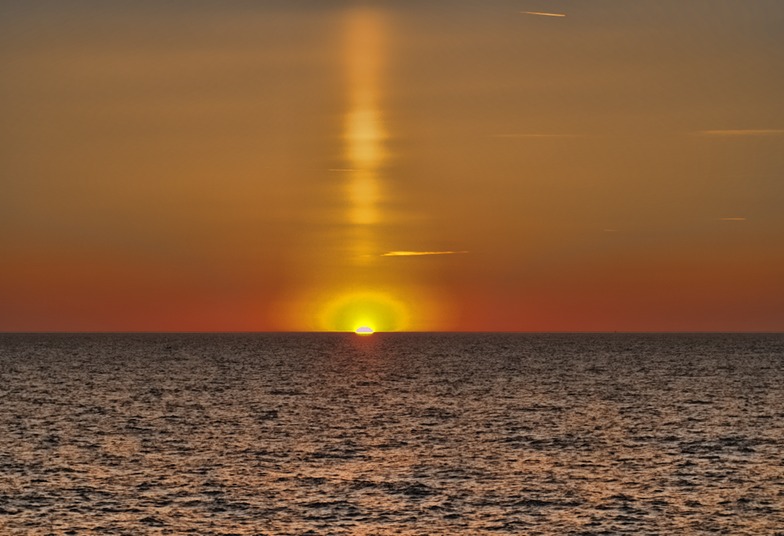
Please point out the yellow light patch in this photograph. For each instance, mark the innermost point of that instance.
(367, 311)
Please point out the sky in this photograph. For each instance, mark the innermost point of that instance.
(466, 165)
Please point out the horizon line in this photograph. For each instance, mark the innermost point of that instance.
(320, 332)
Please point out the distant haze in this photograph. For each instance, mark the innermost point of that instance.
(470, 165)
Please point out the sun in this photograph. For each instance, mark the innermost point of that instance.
(364, 330)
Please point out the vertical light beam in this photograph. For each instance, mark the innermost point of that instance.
(363, 130)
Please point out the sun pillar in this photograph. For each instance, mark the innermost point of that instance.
(364, 297)
(363, 132)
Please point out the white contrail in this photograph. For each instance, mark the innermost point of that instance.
(742, 132)
(543, 14)
(537, 135)
(419, 253)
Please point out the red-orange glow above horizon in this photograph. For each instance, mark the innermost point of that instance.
(329, 166)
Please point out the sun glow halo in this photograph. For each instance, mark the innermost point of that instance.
(364, 311)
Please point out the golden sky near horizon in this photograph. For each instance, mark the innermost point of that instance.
(320, 165)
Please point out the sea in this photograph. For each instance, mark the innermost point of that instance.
(391, 434)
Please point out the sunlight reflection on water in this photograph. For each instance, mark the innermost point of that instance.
(391, 434)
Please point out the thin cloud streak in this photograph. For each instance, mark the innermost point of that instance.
(543, 14)
(742, 132)
(524, 136)
(420, 253)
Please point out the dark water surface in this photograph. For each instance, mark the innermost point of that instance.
(392, 434)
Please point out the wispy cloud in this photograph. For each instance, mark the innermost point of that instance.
(736, 218)
(537, 135)
(742, 132)
(543, 14)
(419, 253)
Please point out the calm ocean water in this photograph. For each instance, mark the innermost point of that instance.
(392, 434)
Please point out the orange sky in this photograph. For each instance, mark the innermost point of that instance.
(303, 165)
